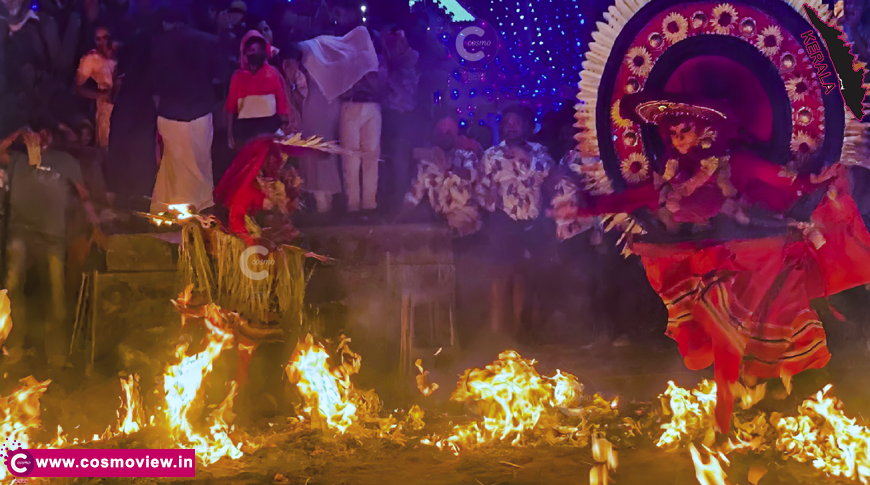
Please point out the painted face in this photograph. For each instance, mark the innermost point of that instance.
(684, 136)
(691, 134)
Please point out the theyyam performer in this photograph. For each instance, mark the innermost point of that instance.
(727, 163)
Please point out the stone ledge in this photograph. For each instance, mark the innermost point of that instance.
(140, 252)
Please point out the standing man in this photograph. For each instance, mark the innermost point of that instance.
(360, 127)
(99, 65)
(185, 65)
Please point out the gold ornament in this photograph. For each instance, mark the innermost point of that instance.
(655, 40)
(699, 19)
(615, 117)
(675, 27)
(797, 88)
(724, 18)
(747, 27)
(787, 61)
(769, 41)
(804, 116)
(635, 168)
(803, 146)
(639, 61)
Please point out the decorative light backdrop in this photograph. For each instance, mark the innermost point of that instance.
(543, 43)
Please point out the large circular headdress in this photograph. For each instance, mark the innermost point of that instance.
(748, 52)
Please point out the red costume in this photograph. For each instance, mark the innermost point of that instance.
(739, 297)
(259, 177)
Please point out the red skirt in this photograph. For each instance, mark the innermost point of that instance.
(745, 305)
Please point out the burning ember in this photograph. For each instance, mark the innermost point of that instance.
(182, 383)
(423, 384)
(5, 320)
(824, 436)
(514, 402)
(19, 414)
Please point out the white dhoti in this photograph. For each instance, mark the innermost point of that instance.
(185, 174)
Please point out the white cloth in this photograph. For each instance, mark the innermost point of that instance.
(336, 64)
(258, 106)
(361, 133)
(185, 174)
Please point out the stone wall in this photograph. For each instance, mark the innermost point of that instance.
(373, 266)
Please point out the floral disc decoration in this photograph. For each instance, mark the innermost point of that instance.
(667, 23)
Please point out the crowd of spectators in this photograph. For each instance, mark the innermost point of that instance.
(153, 102)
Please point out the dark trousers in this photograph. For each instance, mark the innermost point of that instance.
(398, 140)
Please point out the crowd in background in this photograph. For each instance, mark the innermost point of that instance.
(143, 106)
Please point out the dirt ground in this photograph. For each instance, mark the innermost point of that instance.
(84, 406)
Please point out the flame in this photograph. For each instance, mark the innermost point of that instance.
(710, 473)
(131, 406)
(181, 211)
(20, 414)
(423, 384)
(182, 383)
(415, 418)
(327, 393)
(692, 414)
(605, 457)
(514, 401)
(332, 401)
(5, 320)
(823, 435)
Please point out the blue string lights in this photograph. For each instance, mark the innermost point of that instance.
(542, 45)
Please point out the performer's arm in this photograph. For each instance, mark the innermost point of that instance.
(645, 196)
(764, 182)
